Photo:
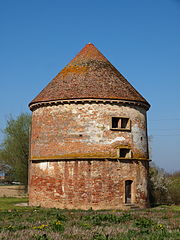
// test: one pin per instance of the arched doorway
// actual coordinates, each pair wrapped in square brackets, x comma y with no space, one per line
[128,190]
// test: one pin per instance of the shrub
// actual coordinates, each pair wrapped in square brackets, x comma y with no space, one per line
[158,186]
[174,186]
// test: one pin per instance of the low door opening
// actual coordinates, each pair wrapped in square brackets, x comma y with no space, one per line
[128,190]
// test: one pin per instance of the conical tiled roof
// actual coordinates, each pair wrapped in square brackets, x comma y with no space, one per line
[89,76]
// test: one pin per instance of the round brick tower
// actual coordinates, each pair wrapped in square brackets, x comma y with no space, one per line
[89,144]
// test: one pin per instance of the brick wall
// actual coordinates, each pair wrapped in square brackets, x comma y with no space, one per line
[97,184]
[74,155]
[83,131]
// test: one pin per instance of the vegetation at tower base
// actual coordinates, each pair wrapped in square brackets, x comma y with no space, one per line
[36,223]
[14,150]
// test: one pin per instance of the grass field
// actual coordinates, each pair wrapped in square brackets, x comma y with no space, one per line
[10,203]
[53,224]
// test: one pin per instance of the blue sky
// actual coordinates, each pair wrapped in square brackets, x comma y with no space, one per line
[140,38]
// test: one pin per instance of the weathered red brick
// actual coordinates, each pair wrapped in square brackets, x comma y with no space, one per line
[74,152]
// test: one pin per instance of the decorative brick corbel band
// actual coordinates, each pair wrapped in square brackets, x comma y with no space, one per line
[34,106]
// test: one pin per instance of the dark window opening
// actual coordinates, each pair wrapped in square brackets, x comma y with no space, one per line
[120,123]
[124,122]
[124,153]
[115,122]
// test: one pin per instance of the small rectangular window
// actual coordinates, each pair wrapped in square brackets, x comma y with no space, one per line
[125,153]
[121,123]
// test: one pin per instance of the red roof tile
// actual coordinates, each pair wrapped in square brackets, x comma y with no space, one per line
[89,76]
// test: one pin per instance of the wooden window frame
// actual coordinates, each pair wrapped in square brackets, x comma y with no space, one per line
[118,122]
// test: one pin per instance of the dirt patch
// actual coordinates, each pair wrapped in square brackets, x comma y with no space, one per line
[12,191]
[22,204]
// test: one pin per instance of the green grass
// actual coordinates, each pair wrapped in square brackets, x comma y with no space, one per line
[175,208]
[35,223]
[9,203]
